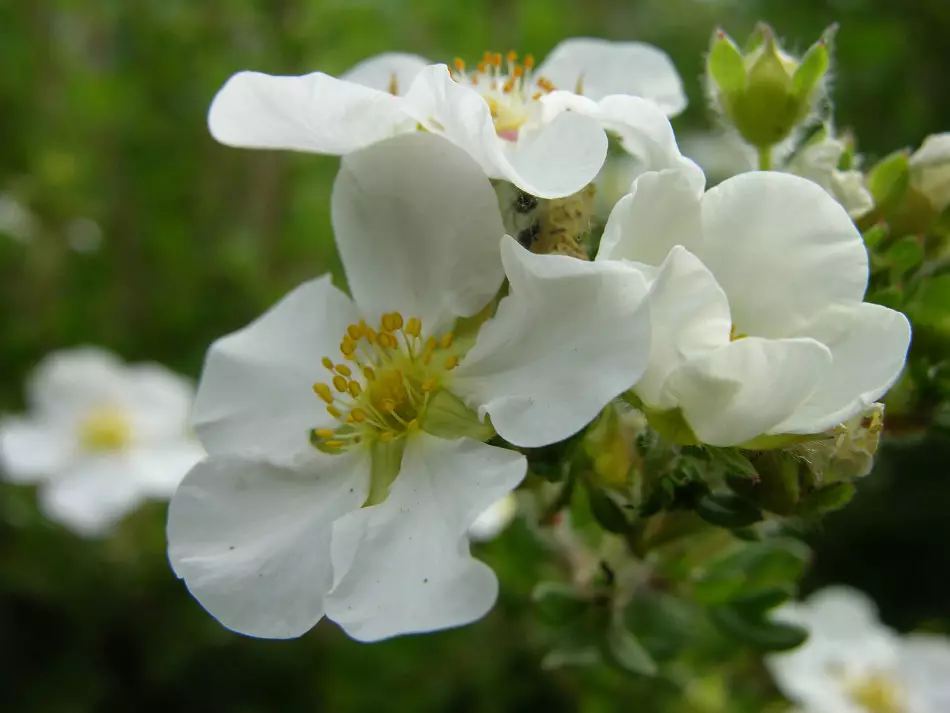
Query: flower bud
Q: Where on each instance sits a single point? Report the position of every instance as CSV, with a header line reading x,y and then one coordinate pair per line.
x,y
930,171
765,92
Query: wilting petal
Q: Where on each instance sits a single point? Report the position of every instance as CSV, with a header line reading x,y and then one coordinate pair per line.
x,y
314,112
251,538
868,346
743,389
417,225
403,566
256,388
783,250
391,72
569,337
596,68
661,211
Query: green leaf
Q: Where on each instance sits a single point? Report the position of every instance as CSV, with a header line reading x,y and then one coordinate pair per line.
x,y
875,234
606,511
813,67
888,180
557,603
732,462
725,64
727,510
906,254
751,569
932,304
754,629
827,499
570,657
627,652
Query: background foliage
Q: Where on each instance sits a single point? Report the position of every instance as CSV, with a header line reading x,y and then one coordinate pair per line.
x,y
150,239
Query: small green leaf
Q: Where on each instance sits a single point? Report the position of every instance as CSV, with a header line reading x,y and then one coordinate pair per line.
x,y
888,180
906,254
827,499
732,462
725,64
557,603
627,652
932,304
754,629
606,511
751,569
875,234
727,510
564,657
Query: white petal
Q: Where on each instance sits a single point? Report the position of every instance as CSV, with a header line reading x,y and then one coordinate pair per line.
x,y
66,384
92,496
251,538
158,471
34,450
934,151
569,337
689,313
556,160
255,394
406,561
868,344
662,210
314,112
930,170
925,667
494,519
600,67
720,155
417,225
391,72
782,249
159,401
743,389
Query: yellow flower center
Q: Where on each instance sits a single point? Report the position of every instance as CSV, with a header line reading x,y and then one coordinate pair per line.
x,y
508,86
105,429
381,388
878,694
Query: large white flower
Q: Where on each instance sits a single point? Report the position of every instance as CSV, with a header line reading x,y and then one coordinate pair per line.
x,y
852,663
100,437
756,299
341,478
496,111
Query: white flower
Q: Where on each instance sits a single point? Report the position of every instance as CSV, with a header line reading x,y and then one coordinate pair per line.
x,y
335,497
930,170
756,300
818,161
100,437
852,663
496,112
494,519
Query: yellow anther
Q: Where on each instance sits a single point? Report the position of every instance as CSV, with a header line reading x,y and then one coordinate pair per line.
x,y
323,391
486,57
428,385
459,64
354,388
347,346
387,405
334,411
517,71
334,444
397,320
370,335
546,84
340,383
414,326
343,369
353,331
528,61
512,56
482,66
496,59
446,340
324,433
452,362
536,96
328,363
386,436
393,84
386,322
358,415
369,373
509,86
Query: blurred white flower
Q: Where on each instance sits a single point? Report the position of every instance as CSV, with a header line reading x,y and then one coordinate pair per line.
x,y
16,220
508,115
100,437
84,235
930,170
347,488
852,663
756,298
493,521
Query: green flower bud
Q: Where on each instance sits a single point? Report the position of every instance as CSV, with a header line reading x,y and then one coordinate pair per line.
x,y
765,92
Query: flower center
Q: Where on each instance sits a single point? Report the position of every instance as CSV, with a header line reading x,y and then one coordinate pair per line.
x,y
105,429
878,694
509,87
382,387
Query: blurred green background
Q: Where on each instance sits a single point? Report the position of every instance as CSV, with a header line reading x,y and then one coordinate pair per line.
x,y
148,238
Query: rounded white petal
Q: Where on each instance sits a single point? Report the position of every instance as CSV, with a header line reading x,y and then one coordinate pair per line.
x,y
405,562
66,384
689,313
556,159
934,151
782,249
251,538
569,337
314,112
930,169
925,668
159,471
494,519
92,496
868,346
743,389
417,225
596,68
255,394
34,450
661,211
391,72
159,402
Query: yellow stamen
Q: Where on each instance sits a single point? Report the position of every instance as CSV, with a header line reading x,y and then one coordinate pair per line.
x,y
334,411
446,341
355,389
354,332
348,346
397,320
414,326
328,363
459,64
324,433
528,61
387,405
340,383
334,444
451,362
369,373
429,384
323,391
358,415
343,369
